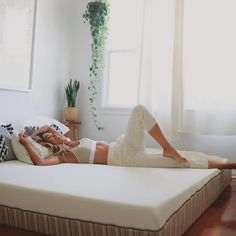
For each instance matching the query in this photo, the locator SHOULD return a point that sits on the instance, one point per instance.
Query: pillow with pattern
(30, 129)
(3, 149)
(39, 121)
(6, 131)
(11, 155)
(57, 128)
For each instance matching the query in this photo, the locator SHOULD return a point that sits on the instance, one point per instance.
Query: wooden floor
(218, 220)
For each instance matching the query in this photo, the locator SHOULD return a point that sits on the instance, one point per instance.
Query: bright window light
(209, 54)
(122, 73)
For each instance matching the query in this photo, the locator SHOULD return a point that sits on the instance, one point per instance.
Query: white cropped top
(85, 151)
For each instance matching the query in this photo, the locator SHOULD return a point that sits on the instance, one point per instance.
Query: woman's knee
(141, 113)
(138, 109)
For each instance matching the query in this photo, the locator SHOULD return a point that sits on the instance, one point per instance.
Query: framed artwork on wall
(17, 27)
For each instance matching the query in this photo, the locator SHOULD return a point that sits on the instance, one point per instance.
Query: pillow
(9, 128)
(3, 149)
(58, 129)
(22, 153)
(29, 130)
(6, 131)
(41, 121)
(11, 155)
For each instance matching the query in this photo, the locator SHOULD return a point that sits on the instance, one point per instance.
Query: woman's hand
(23, 139)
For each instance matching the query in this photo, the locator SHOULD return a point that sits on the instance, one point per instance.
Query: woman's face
(55, 139)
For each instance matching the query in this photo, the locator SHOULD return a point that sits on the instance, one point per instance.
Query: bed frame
(176, 225)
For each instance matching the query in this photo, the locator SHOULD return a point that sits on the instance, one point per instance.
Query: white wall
(115, 123)
(52, 65)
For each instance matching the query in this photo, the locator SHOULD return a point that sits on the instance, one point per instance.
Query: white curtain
(188, 70)
(187, 62)
(204, 72)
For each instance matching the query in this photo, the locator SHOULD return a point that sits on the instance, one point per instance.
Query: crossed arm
(45, 129)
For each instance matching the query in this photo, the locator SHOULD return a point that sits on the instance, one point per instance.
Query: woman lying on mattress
(127, 150)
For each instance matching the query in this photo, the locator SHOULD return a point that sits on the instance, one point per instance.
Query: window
(122, 73)
(140, 57)
(209, 54)
(177, 58)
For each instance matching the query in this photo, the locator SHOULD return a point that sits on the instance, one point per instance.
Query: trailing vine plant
(97, 15)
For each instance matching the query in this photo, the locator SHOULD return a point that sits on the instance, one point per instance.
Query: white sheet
(142, 198)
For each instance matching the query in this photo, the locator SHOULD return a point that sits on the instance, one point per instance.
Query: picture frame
(17, 33)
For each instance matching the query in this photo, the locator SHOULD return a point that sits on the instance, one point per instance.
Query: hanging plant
(97, 15)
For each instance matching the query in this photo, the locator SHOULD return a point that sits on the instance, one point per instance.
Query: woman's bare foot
(172, 153)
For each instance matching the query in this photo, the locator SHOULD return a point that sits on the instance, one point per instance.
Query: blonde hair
(55, 149)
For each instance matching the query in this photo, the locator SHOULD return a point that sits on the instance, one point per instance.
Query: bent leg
(142, 120)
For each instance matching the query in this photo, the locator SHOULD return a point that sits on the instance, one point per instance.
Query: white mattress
(142, 198)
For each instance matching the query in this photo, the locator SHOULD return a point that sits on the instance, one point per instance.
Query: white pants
(129, 149)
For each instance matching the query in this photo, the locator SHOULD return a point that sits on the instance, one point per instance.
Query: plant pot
(71, 113)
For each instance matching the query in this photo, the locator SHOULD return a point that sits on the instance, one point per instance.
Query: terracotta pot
(71, 113)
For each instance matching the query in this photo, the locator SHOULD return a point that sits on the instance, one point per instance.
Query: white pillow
(39, 121)
(21, 152)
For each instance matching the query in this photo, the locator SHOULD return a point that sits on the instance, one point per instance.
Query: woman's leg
(221, 165)
(140, 120)
(153, 159)
(168, 150)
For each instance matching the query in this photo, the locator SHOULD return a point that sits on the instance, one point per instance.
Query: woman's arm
(50, 160)
(44, 129)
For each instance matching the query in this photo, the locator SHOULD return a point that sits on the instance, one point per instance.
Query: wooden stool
(73, 133)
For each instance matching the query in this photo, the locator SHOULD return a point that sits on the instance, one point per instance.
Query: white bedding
(142, 198)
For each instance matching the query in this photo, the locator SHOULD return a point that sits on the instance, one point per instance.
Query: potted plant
(71, 113)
